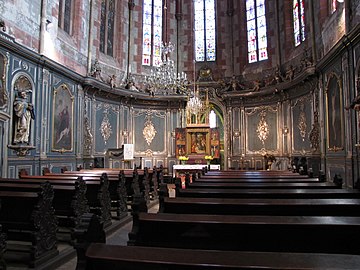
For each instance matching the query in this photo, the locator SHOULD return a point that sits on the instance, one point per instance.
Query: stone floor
(68, 254)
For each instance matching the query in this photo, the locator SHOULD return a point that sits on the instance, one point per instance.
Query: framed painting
(180, 135)
(198, 141)
(334, 116)
(63, 120)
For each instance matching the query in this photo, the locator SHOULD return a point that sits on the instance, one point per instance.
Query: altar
(187, 167)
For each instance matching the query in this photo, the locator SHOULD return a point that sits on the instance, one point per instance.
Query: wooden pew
(97, 193)
(261, 185)
(270, 207)
(255, 176)
(30, 225)
(267, 193)
(256, 180)
(143, 178)
(248, 233)
(111, 257)
(69, 202)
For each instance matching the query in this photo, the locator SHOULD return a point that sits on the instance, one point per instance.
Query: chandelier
(163, 79)
(194, 104)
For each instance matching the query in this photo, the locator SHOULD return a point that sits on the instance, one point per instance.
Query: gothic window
(65, 15)
(107, 18)
(299, 21)
(256, 30)
(152, 32)
(204, 21)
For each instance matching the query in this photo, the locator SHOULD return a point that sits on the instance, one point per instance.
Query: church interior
(172, 92)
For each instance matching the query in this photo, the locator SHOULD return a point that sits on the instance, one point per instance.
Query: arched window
(65, 15)
(205, 29)
(212, 119)
(256, 30)
(152, 32)
(107, 27)
(299, 21)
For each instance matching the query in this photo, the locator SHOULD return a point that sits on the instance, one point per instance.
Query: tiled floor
(119, 237)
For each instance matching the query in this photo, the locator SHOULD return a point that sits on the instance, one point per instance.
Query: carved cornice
(274, 93)
(97, 89)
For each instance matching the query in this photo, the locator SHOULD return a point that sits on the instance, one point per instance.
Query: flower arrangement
(208, 158)
(183, 159)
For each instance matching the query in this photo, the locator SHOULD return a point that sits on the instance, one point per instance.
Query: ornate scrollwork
(105, 127)
(314, 135)
(88, 137)
(149, 130)
(302, 122)
(45, 222)
(263, 128)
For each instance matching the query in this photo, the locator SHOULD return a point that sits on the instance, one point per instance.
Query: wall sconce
(236, 133)
(340, 1)
(285, 130)
(49, 24)
(125, 133)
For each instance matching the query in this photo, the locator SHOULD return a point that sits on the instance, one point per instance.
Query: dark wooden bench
(97, 193)
(308, 234)
(30, 225)
(252, 185)
(267, 193)
(270, 207)
(111, 257)
(254, 176)
(69, 201)
(256, 180)
(117, 188)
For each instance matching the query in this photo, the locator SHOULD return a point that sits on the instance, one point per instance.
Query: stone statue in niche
(23, 113)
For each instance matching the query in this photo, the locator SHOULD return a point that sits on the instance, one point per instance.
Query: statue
(96, 70)
(278, 78)
(112, 81)
(290, 72)
(257, 85)
(23, 113)
(355, 104)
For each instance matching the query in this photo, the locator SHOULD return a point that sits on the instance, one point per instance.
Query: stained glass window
(205, 29)
(299, 21)
(65, 15)
(152, 32)
(256, 30)
(107, 18)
